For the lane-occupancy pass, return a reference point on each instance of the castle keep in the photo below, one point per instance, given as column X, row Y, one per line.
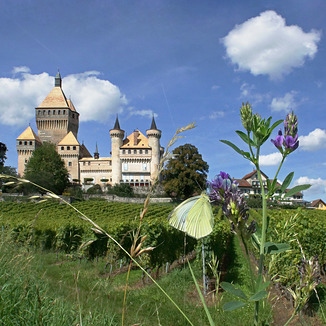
column 134, row 159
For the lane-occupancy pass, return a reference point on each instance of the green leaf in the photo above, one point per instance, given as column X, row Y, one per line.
column 296, row 189
column 258, row 296
column 237, row 149
column 275, row 124
column 269, row 186
column 232, row 305
column 245, row 138
column 287, row 181
column 228, row 287
column 275, row 248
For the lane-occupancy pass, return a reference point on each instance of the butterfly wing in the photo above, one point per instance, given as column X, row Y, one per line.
column 200, row 219
column 193, row 216
column 178, row 216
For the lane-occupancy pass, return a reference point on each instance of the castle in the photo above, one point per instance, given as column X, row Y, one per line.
column 134, row 159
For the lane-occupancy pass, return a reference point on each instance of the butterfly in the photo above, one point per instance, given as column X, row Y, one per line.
column 194, row 216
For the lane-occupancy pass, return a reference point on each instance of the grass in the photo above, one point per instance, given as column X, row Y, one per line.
column 41, row 289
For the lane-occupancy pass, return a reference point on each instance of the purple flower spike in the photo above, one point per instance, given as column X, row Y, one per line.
column 291, row 144
column 278, row 142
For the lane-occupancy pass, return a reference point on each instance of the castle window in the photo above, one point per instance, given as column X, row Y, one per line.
column 123, row 151
column 44, row 112
column 135, row 151
column 20, row 143
column 69, row 163
column 68, row 148
column 49, row 112
column 59, row 112
column 129, row 151
column 64, row 112
column 74, row 148
column 53, row 112
column 146, row 151
column 84, row 163
column 39, row 111
column 25, row 142
column 125, row 166
column 144, row 166
column 89, row 163
column 31, row 143
column 140, row 151
column 25, row 160
column 73, row 115
column 62, row 148
column 110, row 163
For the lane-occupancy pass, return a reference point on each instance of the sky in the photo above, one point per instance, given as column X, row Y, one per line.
column 182, row 61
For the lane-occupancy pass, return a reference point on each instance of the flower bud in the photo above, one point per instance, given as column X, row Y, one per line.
column 246, row 116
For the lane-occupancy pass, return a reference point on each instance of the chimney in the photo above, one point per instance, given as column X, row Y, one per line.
column 136, row 134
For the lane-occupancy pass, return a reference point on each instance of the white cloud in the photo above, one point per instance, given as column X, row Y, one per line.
column 249, row 94
column 314, row 141
column 285, row 103
column 143, row 113
column 265, row 45
column 270, row 159
column 94, row 98
column 215, row 87
column 216, row 114
column 318, row 186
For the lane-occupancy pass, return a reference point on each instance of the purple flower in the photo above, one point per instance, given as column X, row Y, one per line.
column 278, row 142
column 291, row 143
column 226, row 192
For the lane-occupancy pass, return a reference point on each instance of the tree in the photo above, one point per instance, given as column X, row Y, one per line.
column 46, row 168
column 3, row 150
column 8, row 170
column 185, row 173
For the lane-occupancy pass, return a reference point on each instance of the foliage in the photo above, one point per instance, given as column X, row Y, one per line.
column 3, row 150
column 96, row 189
column 185, row 173
column 54, row 226
column 121, row 190
column 46, row 169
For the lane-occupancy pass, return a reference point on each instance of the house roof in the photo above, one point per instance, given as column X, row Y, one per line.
column 71, row 106
column 247, row 176
column 69, row 139
column 135, row 140
column 29, row 134
column 55, row 99
column 315, row 202
column 243, row 183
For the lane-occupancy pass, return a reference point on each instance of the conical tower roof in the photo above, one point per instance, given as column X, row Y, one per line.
column 29, row 134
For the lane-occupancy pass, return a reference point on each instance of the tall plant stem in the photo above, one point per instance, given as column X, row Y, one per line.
column 125, row 293
column 263, row 237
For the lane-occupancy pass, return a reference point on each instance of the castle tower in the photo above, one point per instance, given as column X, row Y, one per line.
column 27, row 142
column 154, row 136
column 56, row 116
column 96, row 153
column 70, row 151
column 116, row 135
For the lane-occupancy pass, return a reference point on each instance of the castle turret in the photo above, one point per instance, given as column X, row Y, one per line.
column 27, row 142
column 154, row 136
column 116, row 135
column 96, row 153
column 56, row 116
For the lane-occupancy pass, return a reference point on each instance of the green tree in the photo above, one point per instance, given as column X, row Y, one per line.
column 47, row 169
column 8, row 170
column 185, row 173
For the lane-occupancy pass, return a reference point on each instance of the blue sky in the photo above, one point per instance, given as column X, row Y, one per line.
column 182, row 61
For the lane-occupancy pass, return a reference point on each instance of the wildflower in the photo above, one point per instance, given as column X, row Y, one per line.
column 246, row 116
column 289, row 142
column 278, row 142
column 225, row 191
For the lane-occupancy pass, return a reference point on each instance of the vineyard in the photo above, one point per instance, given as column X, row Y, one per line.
column 52, row 229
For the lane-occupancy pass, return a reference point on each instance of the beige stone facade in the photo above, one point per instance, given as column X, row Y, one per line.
column 134, row 159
